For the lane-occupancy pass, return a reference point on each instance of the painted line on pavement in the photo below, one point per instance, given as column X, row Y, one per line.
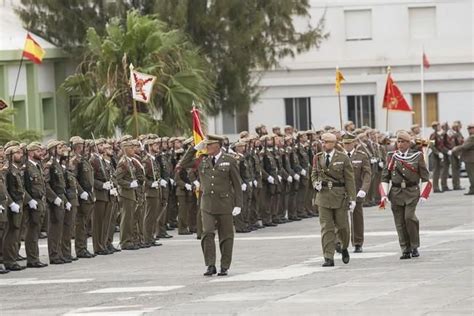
column 35, row 281
column 136, row 289
column 132, row 310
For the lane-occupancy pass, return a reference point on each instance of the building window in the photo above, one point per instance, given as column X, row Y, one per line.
column 431, row 108
column 360, row 109
column 20, row 115
column 233, row 123
column 358, row 25
column 298, row 113
column 422, row 22
column 48, row 115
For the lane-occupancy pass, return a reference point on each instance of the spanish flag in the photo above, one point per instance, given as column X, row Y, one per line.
column 339, row 79
column 197, row 130
column 33, row 51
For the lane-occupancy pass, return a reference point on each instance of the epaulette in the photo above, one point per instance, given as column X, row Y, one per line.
column 362, row 152
column 229, row 156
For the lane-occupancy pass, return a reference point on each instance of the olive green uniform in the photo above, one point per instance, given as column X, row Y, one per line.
column 338, row 189
column 69, row 216
column 125, row 174
column 153, row 197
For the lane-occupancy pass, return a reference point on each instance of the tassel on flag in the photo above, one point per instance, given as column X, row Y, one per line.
column 393, row 99
column 33, row 51
column 142, row 85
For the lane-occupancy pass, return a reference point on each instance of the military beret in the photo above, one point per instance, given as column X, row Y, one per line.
column 188, row 141
column 348, row 138
column 125, row 138
column 52, row 143
column 328, row 137
column 12, row 149
column 403, row 135
column 434, row 123
column 33, row 146
column 12, row 143
column 243, row 134
column 212, row 139
column 76, row 140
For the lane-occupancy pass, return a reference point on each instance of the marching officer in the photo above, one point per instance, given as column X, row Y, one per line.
column 362, row 175
column 458, row 140
column 405, row 168
column 333, row 177
column 438, row 154
column 35, row 188
column 221, row 199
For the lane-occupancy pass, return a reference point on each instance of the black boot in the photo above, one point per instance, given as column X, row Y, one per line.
column 328, row 262
column 405, row 255
column 211, row 270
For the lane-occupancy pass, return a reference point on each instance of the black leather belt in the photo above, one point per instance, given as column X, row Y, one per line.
column 407, row 185
column 332, row 184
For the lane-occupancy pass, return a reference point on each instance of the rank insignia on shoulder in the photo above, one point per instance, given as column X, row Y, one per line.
column 223, row 164
column 338, row 163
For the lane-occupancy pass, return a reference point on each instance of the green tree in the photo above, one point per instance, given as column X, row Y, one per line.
column 8, row 131
column 101, row 83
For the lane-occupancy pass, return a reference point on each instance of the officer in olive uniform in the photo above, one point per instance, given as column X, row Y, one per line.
column 57, row 200
column 302, row 195
column 405, row 168
column 35, row 188
column 458, row 140
column 242, row 220
column 16, row 191
column 466, row 152
column 165, row 170
column 4, row 202
column 270, row 181
column 128, row 184
column 333, row 177
column 438, row 155
column 141, row 198
column 221, row 199
column 69, row 215
column 362, row 175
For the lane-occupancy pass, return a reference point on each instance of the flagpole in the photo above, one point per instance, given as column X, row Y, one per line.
column 18, row 75
column 386, row 114
column 340, row 108
column 422, row 70
column 338, row 89
column 135, row 115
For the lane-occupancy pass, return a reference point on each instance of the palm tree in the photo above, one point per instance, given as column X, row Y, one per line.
column 8, row 131
column 102, row 87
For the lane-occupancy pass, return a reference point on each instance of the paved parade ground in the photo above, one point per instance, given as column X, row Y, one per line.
column 275, row 271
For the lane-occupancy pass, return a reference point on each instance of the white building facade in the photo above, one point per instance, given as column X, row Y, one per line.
column 365, row 38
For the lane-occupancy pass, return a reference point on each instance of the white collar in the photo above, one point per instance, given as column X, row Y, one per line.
column 331, row 154
column 33, row 162
column 219, row 154
column 404, row 154
column 350, row 152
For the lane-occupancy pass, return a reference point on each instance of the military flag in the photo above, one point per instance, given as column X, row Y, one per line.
column 393, row 99
column 142, row 85
column 33, row 51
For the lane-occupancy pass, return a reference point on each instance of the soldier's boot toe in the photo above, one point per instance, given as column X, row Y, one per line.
column 405, row 255
column 211, row 270
column 415, row 253
column 345, row 256
column 328, row 262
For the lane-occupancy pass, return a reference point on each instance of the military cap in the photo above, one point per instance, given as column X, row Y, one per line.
column 243, row 134
column 149, row 141
column 142, row 137
column 152, row 136
column 125, row 138
column 135, row 142
column 414, row 126
column 346, row 124
column 172, row 139
column 365, row 128
column 212, row 139
column 358, row 131
column 264, row 138
column 328, row 137
column 288, row 127
column 12, row 143
column 33, row 146
column 181, row 138
column 287, row 138
column 310, row 132
column 240, row 143
column 76, row 140
column 52, row 143
column 99, row 141
column 434, row 123
column 403, row 135
column 348, row 138
column 188, row 141
column 12, row 149
column 126, row 143
column 300, row 133
column 165, row 139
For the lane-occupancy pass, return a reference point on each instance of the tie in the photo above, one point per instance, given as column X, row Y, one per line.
column 327, row 160
column 213, row 161
column 349, row 154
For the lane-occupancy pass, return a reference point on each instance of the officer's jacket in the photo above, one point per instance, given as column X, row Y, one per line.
column 5, row 199
column 15, row 188
column 338, row 184
column 125, row 174
column 257, row 166
column 152, row 174
column 405, row 174
column 437, row 146
column 244, row 169
column 85, row 177
column 71, row 187
column 362, row 171
column 55, row 181
column 220, row 184
column 467, row 149
column 270, row 167
column 102, row 173
column 34, row 181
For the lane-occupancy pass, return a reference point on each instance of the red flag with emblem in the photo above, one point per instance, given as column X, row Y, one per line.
column 393, row 99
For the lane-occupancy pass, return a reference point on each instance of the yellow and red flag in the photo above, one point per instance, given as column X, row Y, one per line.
column 198, row 135
column 393, row 99
column 33, row 51
column 339, row 79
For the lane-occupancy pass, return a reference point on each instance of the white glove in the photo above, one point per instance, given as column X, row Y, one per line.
column 317, row 185
column 163, row 183
column 303, row 172
column 134, row 184
column 188, row 187
column 352, row 206
column 271, row 180
column 33, row 204
column 1, row 209
column 373, row 160
column 113, row 192
column 255, row 183
column 236, row 211
column 289, row 179
column 450, row 152
column 106, row 186
column 84, row 195
column 172, row 182
column 297, row 177
column 361, row 194
column 200, row 146
column 196, row 183
column 57, row 201
column 154, row 184
column 422, row 200
column 244, row 187
column 250, row 184
column 15, row 207
column 381, row 164
column 440, row 155
column 279, row 178
column 68, row 206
